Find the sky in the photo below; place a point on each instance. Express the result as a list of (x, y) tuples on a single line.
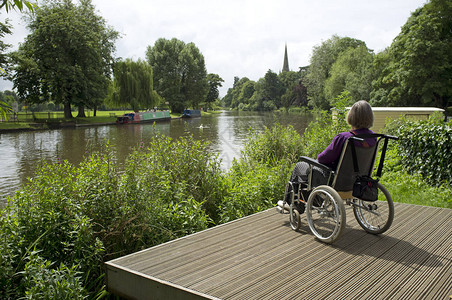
[(244, 38)]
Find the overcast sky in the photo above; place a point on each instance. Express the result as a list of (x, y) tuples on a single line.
[(245, 38)]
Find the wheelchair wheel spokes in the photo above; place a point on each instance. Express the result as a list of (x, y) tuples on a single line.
[(325, 213), (375, 217)]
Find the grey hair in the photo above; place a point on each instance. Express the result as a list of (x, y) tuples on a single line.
[(361, 115)]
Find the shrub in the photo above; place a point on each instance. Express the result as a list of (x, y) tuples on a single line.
[(425, 147), (75, 218), (272, 146), (167, 167), (42, 281), (257, 181), (47, 215)]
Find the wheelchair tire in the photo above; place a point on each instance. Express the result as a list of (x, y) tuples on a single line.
[(294, 219), (375, 217), (325, 211)]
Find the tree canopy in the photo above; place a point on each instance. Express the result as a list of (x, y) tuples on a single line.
[(353, 72), (67, 57), (418, 65), (180, 75), (322, 59)]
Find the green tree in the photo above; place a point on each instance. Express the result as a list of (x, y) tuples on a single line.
[(133, 85), (322, 59), (237, 95), (67, 57), (180, 75), (272, 89), (5, 28), (419, 68), (214, 81), (295, 91), (352, 71), (227, 99)]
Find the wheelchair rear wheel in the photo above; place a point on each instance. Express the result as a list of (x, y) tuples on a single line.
[(375, 216), (325, 212)]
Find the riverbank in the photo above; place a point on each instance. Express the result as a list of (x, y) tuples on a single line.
[(102, 120)]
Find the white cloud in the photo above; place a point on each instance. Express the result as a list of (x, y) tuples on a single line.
[(245, 38)]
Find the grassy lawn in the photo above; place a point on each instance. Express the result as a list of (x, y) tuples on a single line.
[(15, 125)]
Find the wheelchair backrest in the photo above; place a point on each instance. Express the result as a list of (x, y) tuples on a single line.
[(345, 174)]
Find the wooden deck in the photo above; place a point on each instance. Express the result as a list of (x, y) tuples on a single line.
[(260, 257)]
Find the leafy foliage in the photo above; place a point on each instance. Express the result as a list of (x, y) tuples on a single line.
[(425, 147), (418, 67), (180, 75), (44, 282), (19, 4), (214, 81), (413, 189), (133, 85), (68, 220), (322, 60), (257, 181), (353, 72)]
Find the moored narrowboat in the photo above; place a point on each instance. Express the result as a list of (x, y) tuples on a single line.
[(191, 113), (143, 117)]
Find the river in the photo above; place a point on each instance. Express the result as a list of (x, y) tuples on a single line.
[(20, 152)]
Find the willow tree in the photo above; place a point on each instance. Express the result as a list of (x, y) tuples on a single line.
[(133, 85)]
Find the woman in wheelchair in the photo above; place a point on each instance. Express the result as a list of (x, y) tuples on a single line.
[(321, 186), (360, 118)]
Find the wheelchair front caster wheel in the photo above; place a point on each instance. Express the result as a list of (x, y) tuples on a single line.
[(295, 219)]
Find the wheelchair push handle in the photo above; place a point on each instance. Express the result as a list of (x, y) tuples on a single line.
[(391, 137)]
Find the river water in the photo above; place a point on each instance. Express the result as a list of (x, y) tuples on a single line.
[(20, 152)]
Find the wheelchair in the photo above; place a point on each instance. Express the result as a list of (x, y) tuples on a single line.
[(324, 203)]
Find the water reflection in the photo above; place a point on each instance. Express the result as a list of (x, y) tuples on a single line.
[(227, 132)]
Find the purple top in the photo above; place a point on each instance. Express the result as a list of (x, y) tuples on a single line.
[(331, 154)]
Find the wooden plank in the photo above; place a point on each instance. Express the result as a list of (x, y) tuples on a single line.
[(260, 257)]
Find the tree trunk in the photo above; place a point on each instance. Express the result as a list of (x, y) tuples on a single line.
[(67, 110), (95, 111), (81, 112)]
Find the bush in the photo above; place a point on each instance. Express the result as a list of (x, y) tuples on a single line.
[(41, 281), (425, 147), (47, 215), (75, 218), (273, 145), (257, 181)]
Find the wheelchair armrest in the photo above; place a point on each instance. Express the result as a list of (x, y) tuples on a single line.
[(313, 162)]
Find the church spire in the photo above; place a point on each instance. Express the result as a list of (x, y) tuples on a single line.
[(285, 67)]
